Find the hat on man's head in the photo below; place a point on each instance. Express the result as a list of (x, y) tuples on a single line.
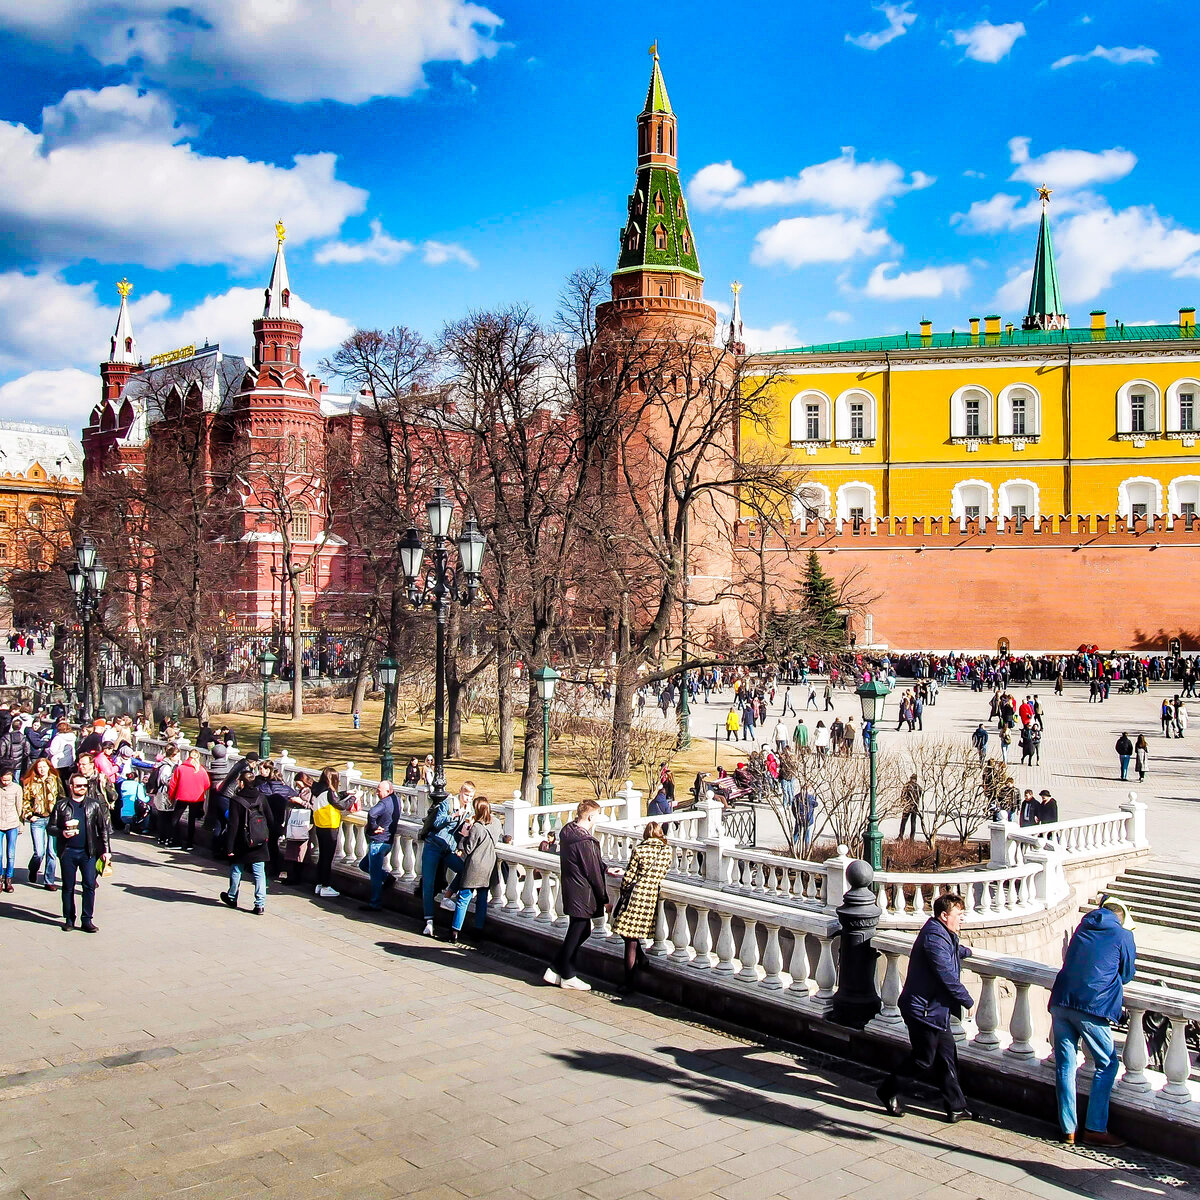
[(1122, 911), (1044, 792)]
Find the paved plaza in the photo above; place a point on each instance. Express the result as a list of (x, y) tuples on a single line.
[(188, 1051), (1078, 761)]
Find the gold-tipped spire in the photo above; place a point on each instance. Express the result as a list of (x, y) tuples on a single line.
[(280, 232), (1044, 193), (124, 288), (653, 51), (735, 287)]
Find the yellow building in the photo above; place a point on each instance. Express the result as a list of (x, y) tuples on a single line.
[(994, 422)]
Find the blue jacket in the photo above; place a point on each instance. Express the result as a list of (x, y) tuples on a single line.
[(933, 989), (1100, 960), (443, 827), (382, 818)]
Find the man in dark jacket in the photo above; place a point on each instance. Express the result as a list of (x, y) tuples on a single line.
[(1087, 997), (37, 738), (1124, 754), (1047, 809), (80, 827), (249, 832), (932, 992), (382, 819), (12, 751), (584, 894)]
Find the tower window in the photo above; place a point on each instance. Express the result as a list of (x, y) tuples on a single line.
[(34, 515), (679, 207), (300, 525), (632, 241), (659, 204), (659, 142), (660, 237), (1187, 412), (671, 134), (287, 296), (687, 243), (302, 455), (973, 424), (1137, 413), (129, 345)]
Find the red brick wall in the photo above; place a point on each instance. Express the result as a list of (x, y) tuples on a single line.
[(1047, 590)]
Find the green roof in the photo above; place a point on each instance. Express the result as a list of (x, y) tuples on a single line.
[(645, 220), (1044, 297), (656, 94), (963, 339)]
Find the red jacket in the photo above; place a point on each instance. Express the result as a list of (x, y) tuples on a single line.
[(189, 785)]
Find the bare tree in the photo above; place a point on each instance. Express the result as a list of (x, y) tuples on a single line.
[(950, 777)]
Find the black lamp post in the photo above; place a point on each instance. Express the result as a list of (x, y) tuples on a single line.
[(546, 677), (266, 668), (438, 587), (88, 575), (872, 696), (387, 676)]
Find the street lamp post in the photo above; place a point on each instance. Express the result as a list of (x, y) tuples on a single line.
[(437, 588), (387, 676), (266, 668), (872, 696), (546, 677), (87, 576), (685, 704)]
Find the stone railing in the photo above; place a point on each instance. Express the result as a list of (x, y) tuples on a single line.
[(1079, 839)]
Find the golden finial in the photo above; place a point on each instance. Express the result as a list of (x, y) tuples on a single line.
[(124, 288), (653, 51), (1044, 194), (280, 232), (735, 287)]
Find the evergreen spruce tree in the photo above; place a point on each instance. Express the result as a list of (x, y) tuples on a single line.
[(827, 625)]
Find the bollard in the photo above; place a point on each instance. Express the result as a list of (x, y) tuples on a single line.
[(856, 1001)]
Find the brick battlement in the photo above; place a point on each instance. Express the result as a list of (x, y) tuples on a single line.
[(947, 532)]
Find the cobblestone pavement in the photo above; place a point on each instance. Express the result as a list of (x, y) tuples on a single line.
[(1078, 760), (189, 1051)]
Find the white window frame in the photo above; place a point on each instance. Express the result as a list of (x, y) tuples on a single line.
[(959, 500), (1033, 413), (958, 414), (1125, 501), (1125, 430), (848, 497), (1033, 499), (1175, 501), (812, 497), (798, 417), (1174, 429), (842, 429)]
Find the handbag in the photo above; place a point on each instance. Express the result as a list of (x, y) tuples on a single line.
[(618, 909), (299, 822)]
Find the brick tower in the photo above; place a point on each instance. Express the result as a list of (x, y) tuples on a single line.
[(123, 358)]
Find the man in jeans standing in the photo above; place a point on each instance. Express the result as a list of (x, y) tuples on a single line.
[(382, 819), (80, 828), (1087, 997)]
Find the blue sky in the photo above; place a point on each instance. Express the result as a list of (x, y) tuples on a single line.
[(856, 165)]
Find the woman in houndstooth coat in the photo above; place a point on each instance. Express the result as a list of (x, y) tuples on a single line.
[(638, 906)]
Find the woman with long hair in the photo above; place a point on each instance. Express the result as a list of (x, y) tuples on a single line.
[(477, 856), (636, 910), (42, 789), (329, 802)]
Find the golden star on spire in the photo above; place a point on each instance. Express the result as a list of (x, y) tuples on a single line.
[(280, 232), (124, 288), (1044, 193), (735, 287)]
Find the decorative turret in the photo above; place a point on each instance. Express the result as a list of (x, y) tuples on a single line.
[(1045, 300), (123, 358), (277, 333), (735, 343)]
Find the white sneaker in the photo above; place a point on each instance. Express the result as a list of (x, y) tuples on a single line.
[(428, 930), (552, 978), (577, 985), (448, 904), (328, 893)]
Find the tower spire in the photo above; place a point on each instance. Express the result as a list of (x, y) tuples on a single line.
[(1045, 300), (735, 343), (123, 347), (279, 292)]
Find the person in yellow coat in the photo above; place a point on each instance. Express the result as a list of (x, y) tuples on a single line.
[(636, 910), (733, 725)]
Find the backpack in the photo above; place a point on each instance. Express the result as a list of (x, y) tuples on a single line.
[(256, 831)]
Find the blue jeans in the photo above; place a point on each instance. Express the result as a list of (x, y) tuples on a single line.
[(43, 848), (1124, 765), (433, 858), (259, 871), (377, 857), (1069, 1027), (462, 902), (8, 851)]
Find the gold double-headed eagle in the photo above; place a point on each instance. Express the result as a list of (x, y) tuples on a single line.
[(280, 232), (124, 288)]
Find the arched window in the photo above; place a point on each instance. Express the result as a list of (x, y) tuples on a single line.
[(660, 237), (1139, 410), (1139, 497), (129, 345), (659, 204), (854, 416), (287, 295), (34, 516), (971, 500), (679, 207), (687, 243), (810, 501), (300, 525), (856, 503), (632, 240), (1020, 501), (1183, 408), (810, 418), (1020, 412), (1183, 497), (290, 464), (971, 413), (302, 455)]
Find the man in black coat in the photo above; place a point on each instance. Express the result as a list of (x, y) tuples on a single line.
[(933, 991), (12, 752), (584, 893), (79, 824)]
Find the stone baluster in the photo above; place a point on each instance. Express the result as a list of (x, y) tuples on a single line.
[(826, 974), (987, 1015), (958, 1029), (1177, 1066), (1135, 1055), (408, 863), (511, 875), (545, 900), (725, 944), (1020, 1025), (660, 946), (681, 935), (529, 894), (748, 953), (773, 960), (798, 964), (889, 992), (702, 941)]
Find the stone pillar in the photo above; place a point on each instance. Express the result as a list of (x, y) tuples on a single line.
[(835, 877), (856, 1001), (998, 831), (1135, 821), (631, 800), (352, 775), (516, 819)]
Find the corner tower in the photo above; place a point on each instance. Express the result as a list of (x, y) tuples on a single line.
[(123, 358), (277, 332), (658, 269), (1045, 300)]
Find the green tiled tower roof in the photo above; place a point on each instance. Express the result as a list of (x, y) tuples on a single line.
[(1045, 300), (656, 95)]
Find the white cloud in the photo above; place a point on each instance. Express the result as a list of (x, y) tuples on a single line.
[(1014, 293), (1069, 168), (1005, 211), (970, 173), (838, 316), (926, 283), (67, 396), (292, 50), (126, 192), (770, 337), (988, 43), (1119, 55), (898, 18), (437, 253), (380, 247), (840, 183), (835, 238)]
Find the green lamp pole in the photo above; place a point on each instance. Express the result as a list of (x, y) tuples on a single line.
[(546, 677), (872, 696), (266, 668), (387, 676)]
